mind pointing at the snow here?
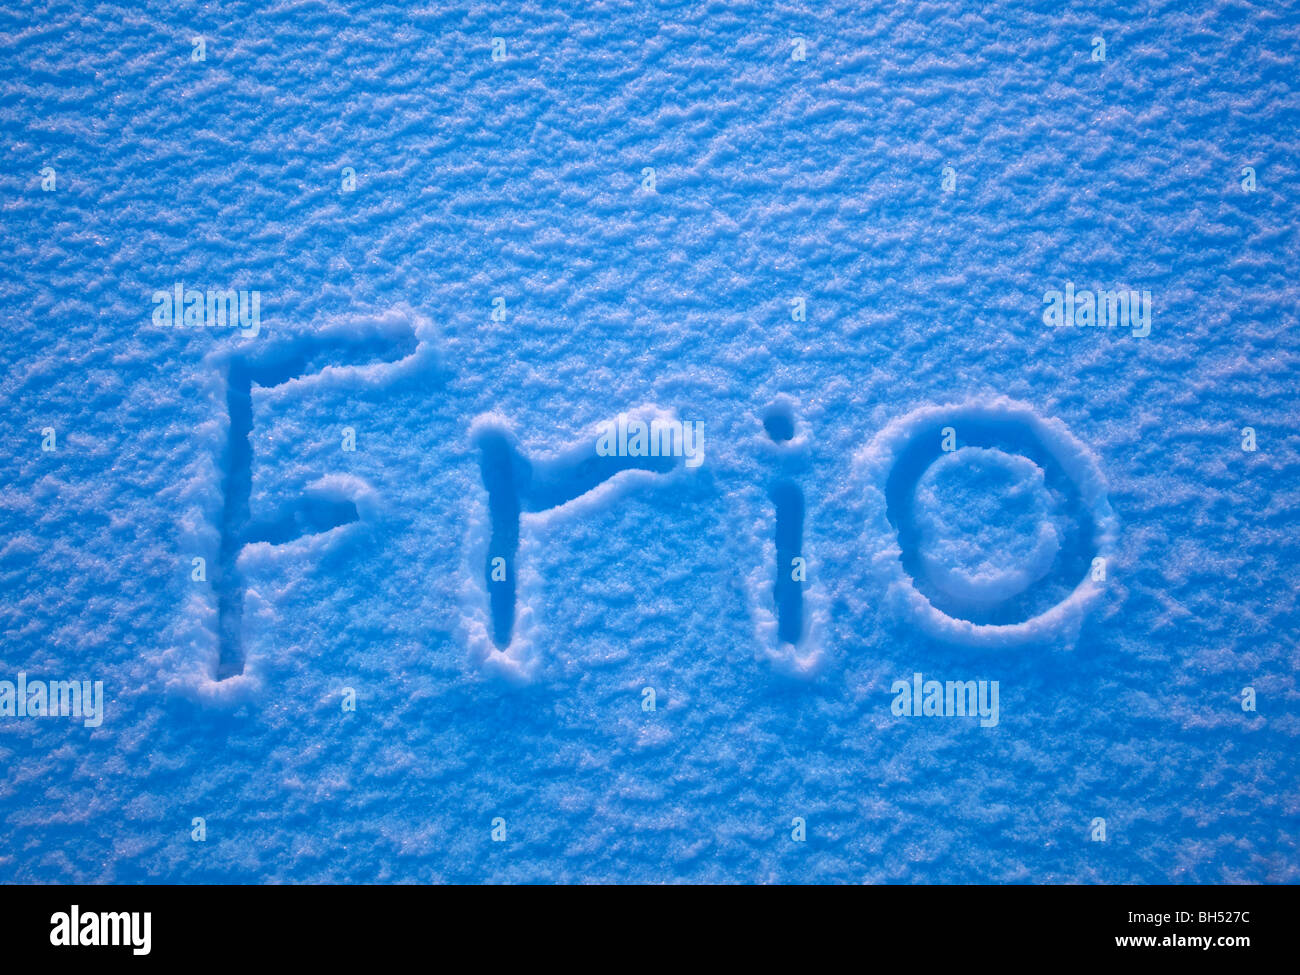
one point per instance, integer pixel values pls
(775, 179)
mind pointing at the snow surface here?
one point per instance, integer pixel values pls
(775, 179)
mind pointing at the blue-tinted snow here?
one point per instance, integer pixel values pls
(523, 179)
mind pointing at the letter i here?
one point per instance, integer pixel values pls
(788, 501)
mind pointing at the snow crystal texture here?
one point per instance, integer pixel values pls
(473, 255)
